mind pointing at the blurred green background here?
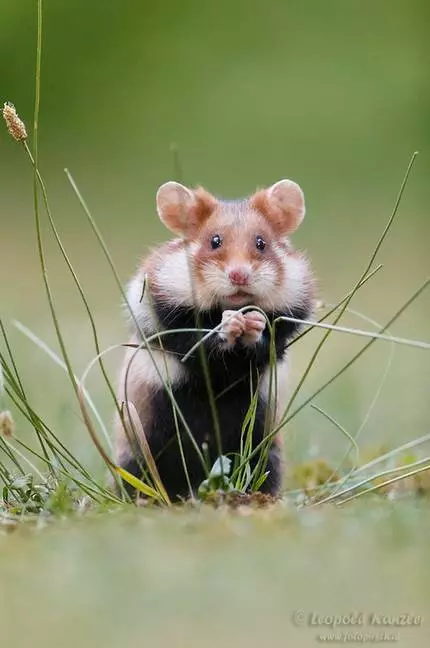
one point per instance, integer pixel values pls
(332, 94)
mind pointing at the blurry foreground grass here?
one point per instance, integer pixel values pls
(208, 577)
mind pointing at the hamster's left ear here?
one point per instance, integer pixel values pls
(184, 210)
(283, 204)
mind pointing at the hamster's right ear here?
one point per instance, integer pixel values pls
(182, 210)
(283, 204)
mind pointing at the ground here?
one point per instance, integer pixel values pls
(211, 577)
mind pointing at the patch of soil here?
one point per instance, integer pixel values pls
(236, 499)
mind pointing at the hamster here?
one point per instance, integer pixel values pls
(227, 255)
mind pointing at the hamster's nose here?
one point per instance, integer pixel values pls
(239, 276)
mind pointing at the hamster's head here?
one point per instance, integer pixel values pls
(238, 252)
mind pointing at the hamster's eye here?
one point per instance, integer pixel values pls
(216, 241)
(260, 243)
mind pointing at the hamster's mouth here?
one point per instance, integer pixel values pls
(239, 297)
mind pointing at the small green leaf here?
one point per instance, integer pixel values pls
(204, 489)
(221, 465)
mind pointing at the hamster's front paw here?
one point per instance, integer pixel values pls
(255, 323)
(233, 326)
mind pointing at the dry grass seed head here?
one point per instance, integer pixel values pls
(15, 125)
(7, 425)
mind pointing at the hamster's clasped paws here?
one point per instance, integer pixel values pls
(255, 323)
(247, 326)
(233, 326)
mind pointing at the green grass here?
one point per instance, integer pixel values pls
(60, 462)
